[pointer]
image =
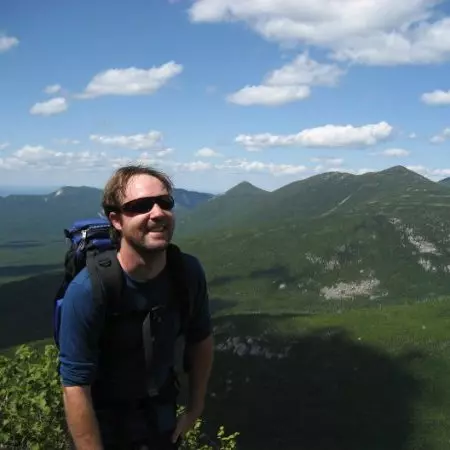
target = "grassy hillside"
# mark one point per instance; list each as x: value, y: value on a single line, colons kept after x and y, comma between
x: 366, y: 379
x: 327, y: 265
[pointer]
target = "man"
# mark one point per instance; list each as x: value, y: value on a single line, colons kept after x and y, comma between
x: 101, y: 359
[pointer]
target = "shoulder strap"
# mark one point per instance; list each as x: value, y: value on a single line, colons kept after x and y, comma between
x: 180, y: 298
x: 106, y: 276
x: 181, y: 294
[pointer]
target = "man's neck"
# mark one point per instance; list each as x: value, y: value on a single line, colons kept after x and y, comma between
x: 140, y: 266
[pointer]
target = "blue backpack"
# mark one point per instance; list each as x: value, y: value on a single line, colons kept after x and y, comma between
x: 91, y: 246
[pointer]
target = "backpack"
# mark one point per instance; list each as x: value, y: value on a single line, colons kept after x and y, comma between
x: 91, y: 246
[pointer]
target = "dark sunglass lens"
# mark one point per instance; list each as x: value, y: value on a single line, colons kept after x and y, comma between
x: 145, y: 204
x: 139, y: 206
x: 165, y: 202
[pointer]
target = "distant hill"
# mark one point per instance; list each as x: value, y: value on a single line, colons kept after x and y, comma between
x: 244, y: 188
x: 222, y: 211
x: 33, y: 217
x: 27, y: 190
x: 314, y: 197
x: 445, y: 181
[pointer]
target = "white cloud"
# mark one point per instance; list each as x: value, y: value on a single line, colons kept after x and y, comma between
x: 38, y: 157
x: 328, y: 161
x: 7, y: 43
x: 164, y: 152
x: 54, y: 106
x: 31, y: 153
x: 242, y: 165
x: 395, y: 152
x: 434, y: 174
x: 4, y: 145
x: 290, y: 83
x: 436, y: 98
x: 194, y: 166
x: 361, y: 171
x: 234, y: 165
x: 305, y: 71
x: 154, y: 156
x: 11, y: 163
x: 269, y: 95
x: 52, y: 89
x: 206, y: 152
x: 131, y: 81
x: 441, y: 137
x: 143, y: 141
x: 375, y: 32
x: 325, y: 136
x: 66, y: 141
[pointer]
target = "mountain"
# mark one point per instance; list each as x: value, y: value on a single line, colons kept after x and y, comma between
x: 222, y: 211
x: 34, y: 217
x: 189, y: 199
x: 389, y: 190
x: 243, y: 189
x: 445, y: 181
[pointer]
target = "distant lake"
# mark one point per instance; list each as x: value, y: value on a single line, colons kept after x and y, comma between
x: 26, y: 190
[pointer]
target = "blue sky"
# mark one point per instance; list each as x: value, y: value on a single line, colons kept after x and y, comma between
x: 220, y: 91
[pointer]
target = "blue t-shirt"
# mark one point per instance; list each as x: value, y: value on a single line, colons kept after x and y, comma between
x: 82, y: 321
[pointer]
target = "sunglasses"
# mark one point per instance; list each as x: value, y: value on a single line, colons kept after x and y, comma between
x: 145, y: 204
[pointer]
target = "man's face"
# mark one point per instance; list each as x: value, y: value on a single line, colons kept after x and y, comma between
x: 146, y: 229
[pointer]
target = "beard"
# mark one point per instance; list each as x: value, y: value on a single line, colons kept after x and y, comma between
x: 149, y: 243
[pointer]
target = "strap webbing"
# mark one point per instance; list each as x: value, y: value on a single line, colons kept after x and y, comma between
x: 152, y: 388
x: 106, y: 276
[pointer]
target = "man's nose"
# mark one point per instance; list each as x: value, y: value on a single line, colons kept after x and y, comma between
x: 156, y: 211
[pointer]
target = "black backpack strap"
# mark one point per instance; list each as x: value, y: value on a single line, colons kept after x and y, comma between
x: 106, y: 276
x: 181, y: 297
x: 147, y: 338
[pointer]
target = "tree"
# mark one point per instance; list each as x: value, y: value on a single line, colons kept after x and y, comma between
x: 32, y: 412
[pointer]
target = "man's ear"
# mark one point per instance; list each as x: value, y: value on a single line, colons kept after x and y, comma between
x: 114, y: 218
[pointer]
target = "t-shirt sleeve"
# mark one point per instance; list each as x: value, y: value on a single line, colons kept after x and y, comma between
x: 200, y: 326
x: 79, y: 332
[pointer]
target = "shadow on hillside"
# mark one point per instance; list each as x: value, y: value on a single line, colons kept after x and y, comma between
x: 220, y: 281
x: 26, y: 309
x: 32, y: 269
x: 330, y: 393
x: 276, y: 273
x: 219, y: 304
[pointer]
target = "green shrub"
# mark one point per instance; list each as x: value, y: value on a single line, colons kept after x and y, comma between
x: 32, y: 412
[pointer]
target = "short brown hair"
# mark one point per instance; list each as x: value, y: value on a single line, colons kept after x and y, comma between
x: 115, y: 188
